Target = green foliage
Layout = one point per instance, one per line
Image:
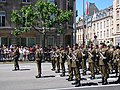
(41, 14)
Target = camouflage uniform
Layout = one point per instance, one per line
(69, 62)
(84, 59)
(57, 59)
(103, 65)
(62, 61)
(91, 60)
(116, 57)
(52, 56)
(97, 57)
(16, 55)
(76, 59)
(38, 58)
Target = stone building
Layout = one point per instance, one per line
(30, 38)
(105, 25)
(116, 21)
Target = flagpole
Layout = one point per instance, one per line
(87, 12)
(83, 26)
(86, 31)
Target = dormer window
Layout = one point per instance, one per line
(26, 1)
(2, 0)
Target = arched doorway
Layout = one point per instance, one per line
(68, 40)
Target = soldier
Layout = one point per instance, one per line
(91, 60)
(97, 57)
(115, 61)
(116, 58)
(38, 58)
(84, 59)
(69, 62)
(62, 60)
(110, 57)
(16, 55)
(57, 58)
(76, 55)
(52, 55)
(103, 64)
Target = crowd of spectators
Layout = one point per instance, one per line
(26, 53)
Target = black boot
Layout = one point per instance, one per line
(76, 81)
(106, 82)
(58, 71)
(118, 81)
(14, 69)
(102, 80)
(53, 69)
(78, 84)
(70, 79)
(62, 75)
(38, 76)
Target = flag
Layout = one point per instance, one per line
(87, 8)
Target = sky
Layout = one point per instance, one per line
(101, 4)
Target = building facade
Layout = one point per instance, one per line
(105, 25)
(116, 20)
(30, 38)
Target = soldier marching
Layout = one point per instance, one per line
(101, 60)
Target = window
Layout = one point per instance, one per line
(117, 2)
(50, 40)
(94, 26)
(118, 27)
(52, 1)
(2, 19)
(2, 0)
(100, 34)
(26, 0)
(107, 34)
(107, 22)
(117, 14)
(97, 26)
(4, 40)
(31, 41)
(100, 25)
(104, 33)
(104, 24)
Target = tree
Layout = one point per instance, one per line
(40, 16)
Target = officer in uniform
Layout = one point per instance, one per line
(62, 60)
(116, 57)
(84, 60)
(76, 59)
(69, 62)
(16, 55)
(103, 64)
(38, 58)
(115, 61)
(110, 57)
(91, 60)
(52, 56)
(57, 58)
(97, 57)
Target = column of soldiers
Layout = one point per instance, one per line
(101, 60)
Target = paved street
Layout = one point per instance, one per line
(24, 79)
